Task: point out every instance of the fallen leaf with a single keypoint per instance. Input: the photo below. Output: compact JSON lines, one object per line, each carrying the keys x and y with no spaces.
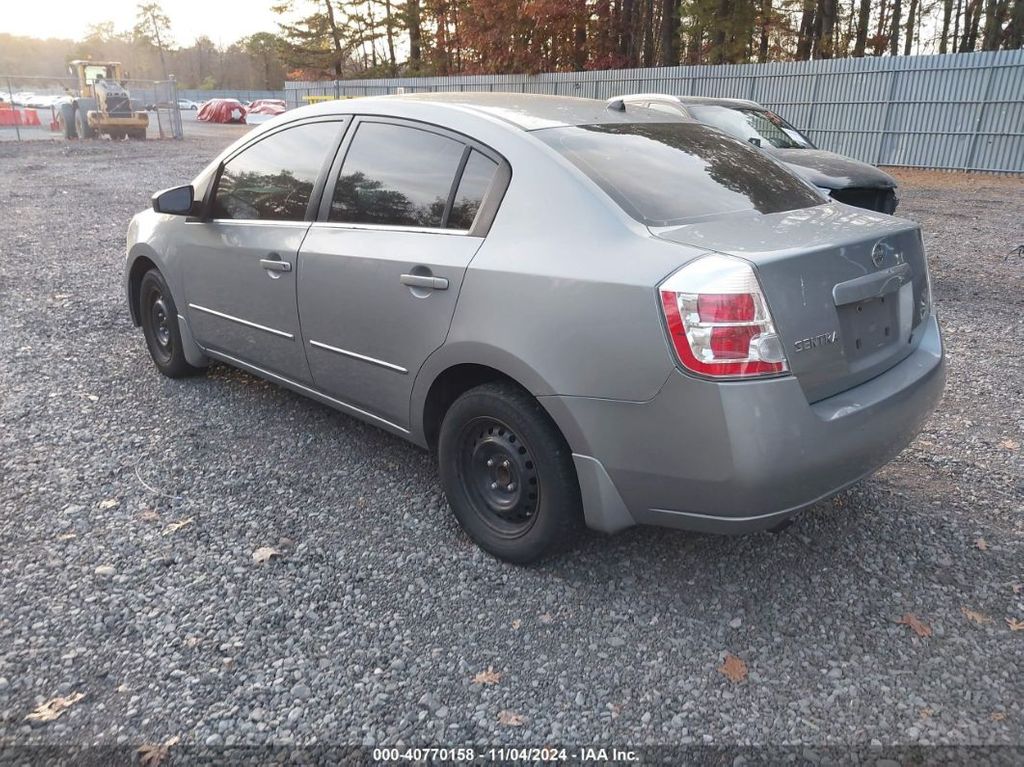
{"x":516,"y":624}
{"x":66,"y":536}
{"x":148,"y":515}
{"x":975,"y":616}
{"x":123,"y":688}
{"x":192,"y":641}
{"x":997,"y":716}
{"x":1018,"y":588}
{"x":916,"y":625}
{"x":176,"y":526}
{"x":981,"y":544}
{"x":52,"y":709}
{"x":547,"y":618}
{"x":511,"y":719}
{"x":734,"y":669}
{"x":490,"y":676}
{"x":1014,"y":624}
{"x":109,"y":503}
{"x":1009,"y":444}
{"x":151,"y":755}
{"x":264,"y":554}
{"x":925,"y":713}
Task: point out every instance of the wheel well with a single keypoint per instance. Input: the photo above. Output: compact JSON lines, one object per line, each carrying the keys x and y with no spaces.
{"x":139,"y":269}
{"x":447,"y":388}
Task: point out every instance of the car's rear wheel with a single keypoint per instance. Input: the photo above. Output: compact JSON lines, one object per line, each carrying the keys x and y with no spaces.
{"x":508,"y":474}
{"x":159,"y":318}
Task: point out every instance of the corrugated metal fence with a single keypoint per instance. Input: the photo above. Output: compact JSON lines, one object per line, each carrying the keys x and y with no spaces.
{"x":958,"y":111}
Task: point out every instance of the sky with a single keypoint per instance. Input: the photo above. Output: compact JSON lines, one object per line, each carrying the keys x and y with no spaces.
{"x":223,"y":21}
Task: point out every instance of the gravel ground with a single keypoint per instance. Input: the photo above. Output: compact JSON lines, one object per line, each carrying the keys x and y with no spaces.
{"x":131,"y":505}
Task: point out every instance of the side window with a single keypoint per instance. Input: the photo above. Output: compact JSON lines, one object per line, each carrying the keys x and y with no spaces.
{"x":476,"y":180}
{"x":395,"y":175}
{"x":273,"y":179}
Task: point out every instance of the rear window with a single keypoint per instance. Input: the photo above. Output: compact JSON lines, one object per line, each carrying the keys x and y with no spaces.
{"x":668,"y":173}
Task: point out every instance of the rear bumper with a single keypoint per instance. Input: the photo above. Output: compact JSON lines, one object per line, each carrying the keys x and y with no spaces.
{"x":742,"y":456}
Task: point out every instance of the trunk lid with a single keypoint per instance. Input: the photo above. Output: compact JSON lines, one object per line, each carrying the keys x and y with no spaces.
{"x":847,"y":288}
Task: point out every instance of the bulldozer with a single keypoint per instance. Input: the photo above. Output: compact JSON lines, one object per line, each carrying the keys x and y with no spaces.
{"x":103,"y":104}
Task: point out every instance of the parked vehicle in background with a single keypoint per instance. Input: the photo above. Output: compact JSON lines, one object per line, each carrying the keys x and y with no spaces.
{"x":42,"y":101}
{"x":187,"y":105}
{"x":843,"y":178}
{"x":222,"y":111}
{"x":594,"y":316}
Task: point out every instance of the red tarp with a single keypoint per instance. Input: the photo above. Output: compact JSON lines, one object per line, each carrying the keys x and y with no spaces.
{"x":267,"y":107}
{"x":222,"y":111}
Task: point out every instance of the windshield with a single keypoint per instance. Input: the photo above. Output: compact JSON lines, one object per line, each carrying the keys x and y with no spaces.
{"x":760,"y":124}
{"x":667,"y":173}
{"x":94,"y":72}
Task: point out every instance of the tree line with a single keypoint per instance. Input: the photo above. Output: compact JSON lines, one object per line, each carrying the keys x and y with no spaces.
{"x":326,"y":39}
{"x":346,"y":38}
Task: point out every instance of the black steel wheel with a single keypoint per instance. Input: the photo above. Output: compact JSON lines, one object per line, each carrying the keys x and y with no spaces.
{"x":508,"y":474}
{"x":499,"y":475}
{"x":159,"y":318}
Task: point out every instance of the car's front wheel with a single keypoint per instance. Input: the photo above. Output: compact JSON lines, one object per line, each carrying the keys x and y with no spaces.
{"x":508,"y":474}
{"x":159,"y":318}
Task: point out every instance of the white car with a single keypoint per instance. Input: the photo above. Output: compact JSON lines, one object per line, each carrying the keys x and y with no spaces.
{"x":186,"y":105}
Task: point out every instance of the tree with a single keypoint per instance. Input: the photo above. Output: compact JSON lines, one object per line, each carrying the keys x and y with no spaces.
{"x":316,"y":41}
{"x":911,"y":14}
{"x":263,"y":48}
{"x":947,"y":13}
{"x":153,"y":26}
{"x":863,"y":20}
{"x":894,"y":29}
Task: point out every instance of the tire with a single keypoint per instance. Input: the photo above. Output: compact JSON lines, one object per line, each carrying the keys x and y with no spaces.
{"x":508,"y":474}
{"x":82,"y":127}
{"x":117,"y":135}
{"x":159,"y":318}
{"x":66,"y":119}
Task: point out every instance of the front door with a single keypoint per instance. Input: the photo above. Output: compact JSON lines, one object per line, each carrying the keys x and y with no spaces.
{"x":380,"y":271}
{"x":240,"y":265}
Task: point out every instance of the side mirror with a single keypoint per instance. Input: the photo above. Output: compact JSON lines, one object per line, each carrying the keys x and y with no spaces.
{"x":177,"y":201}
{"x":755,"y":141}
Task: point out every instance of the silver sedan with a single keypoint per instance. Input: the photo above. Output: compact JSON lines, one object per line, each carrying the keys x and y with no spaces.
{"x":595,"y":317}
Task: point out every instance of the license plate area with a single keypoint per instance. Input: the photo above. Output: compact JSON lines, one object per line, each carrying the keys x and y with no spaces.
{"x":873,"y":328}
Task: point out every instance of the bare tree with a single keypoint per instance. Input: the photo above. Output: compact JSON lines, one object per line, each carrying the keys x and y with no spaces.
{"x":153,"y":25}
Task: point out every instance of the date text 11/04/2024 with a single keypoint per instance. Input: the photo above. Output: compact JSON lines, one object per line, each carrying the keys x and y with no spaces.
{"x":504,"y":754}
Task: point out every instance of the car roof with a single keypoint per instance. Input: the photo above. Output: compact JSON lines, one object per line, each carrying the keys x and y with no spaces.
{"x":528,"y":111}
{"x":704,"y":100}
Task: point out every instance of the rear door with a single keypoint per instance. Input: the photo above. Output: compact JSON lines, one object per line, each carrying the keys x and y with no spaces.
{"x":240,"y":263}
{"x":405,"y":209}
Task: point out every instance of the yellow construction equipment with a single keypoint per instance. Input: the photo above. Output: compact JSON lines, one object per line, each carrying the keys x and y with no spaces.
{"x":102,"y":104}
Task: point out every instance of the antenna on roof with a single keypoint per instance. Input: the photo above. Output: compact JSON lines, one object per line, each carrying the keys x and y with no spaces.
{"x":618,"y":105}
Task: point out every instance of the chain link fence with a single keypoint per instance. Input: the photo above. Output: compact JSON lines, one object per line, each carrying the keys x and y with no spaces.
{"x":31,"y":106}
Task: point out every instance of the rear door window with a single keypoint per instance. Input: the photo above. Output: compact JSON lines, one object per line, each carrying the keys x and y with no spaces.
{"x":476,"y":180}
{"x":668,"y":173}
{"x":273,"y":179}
{"x":396,"y":175}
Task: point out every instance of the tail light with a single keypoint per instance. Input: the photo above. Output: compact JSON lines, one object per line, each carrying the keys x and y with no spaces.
{"x":719,"y":322}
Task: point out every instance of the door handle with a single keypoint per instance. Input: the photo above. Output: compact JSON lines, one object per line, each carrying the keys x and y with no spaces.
{"x":275,"y":265}
{"x":423,"y":281}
